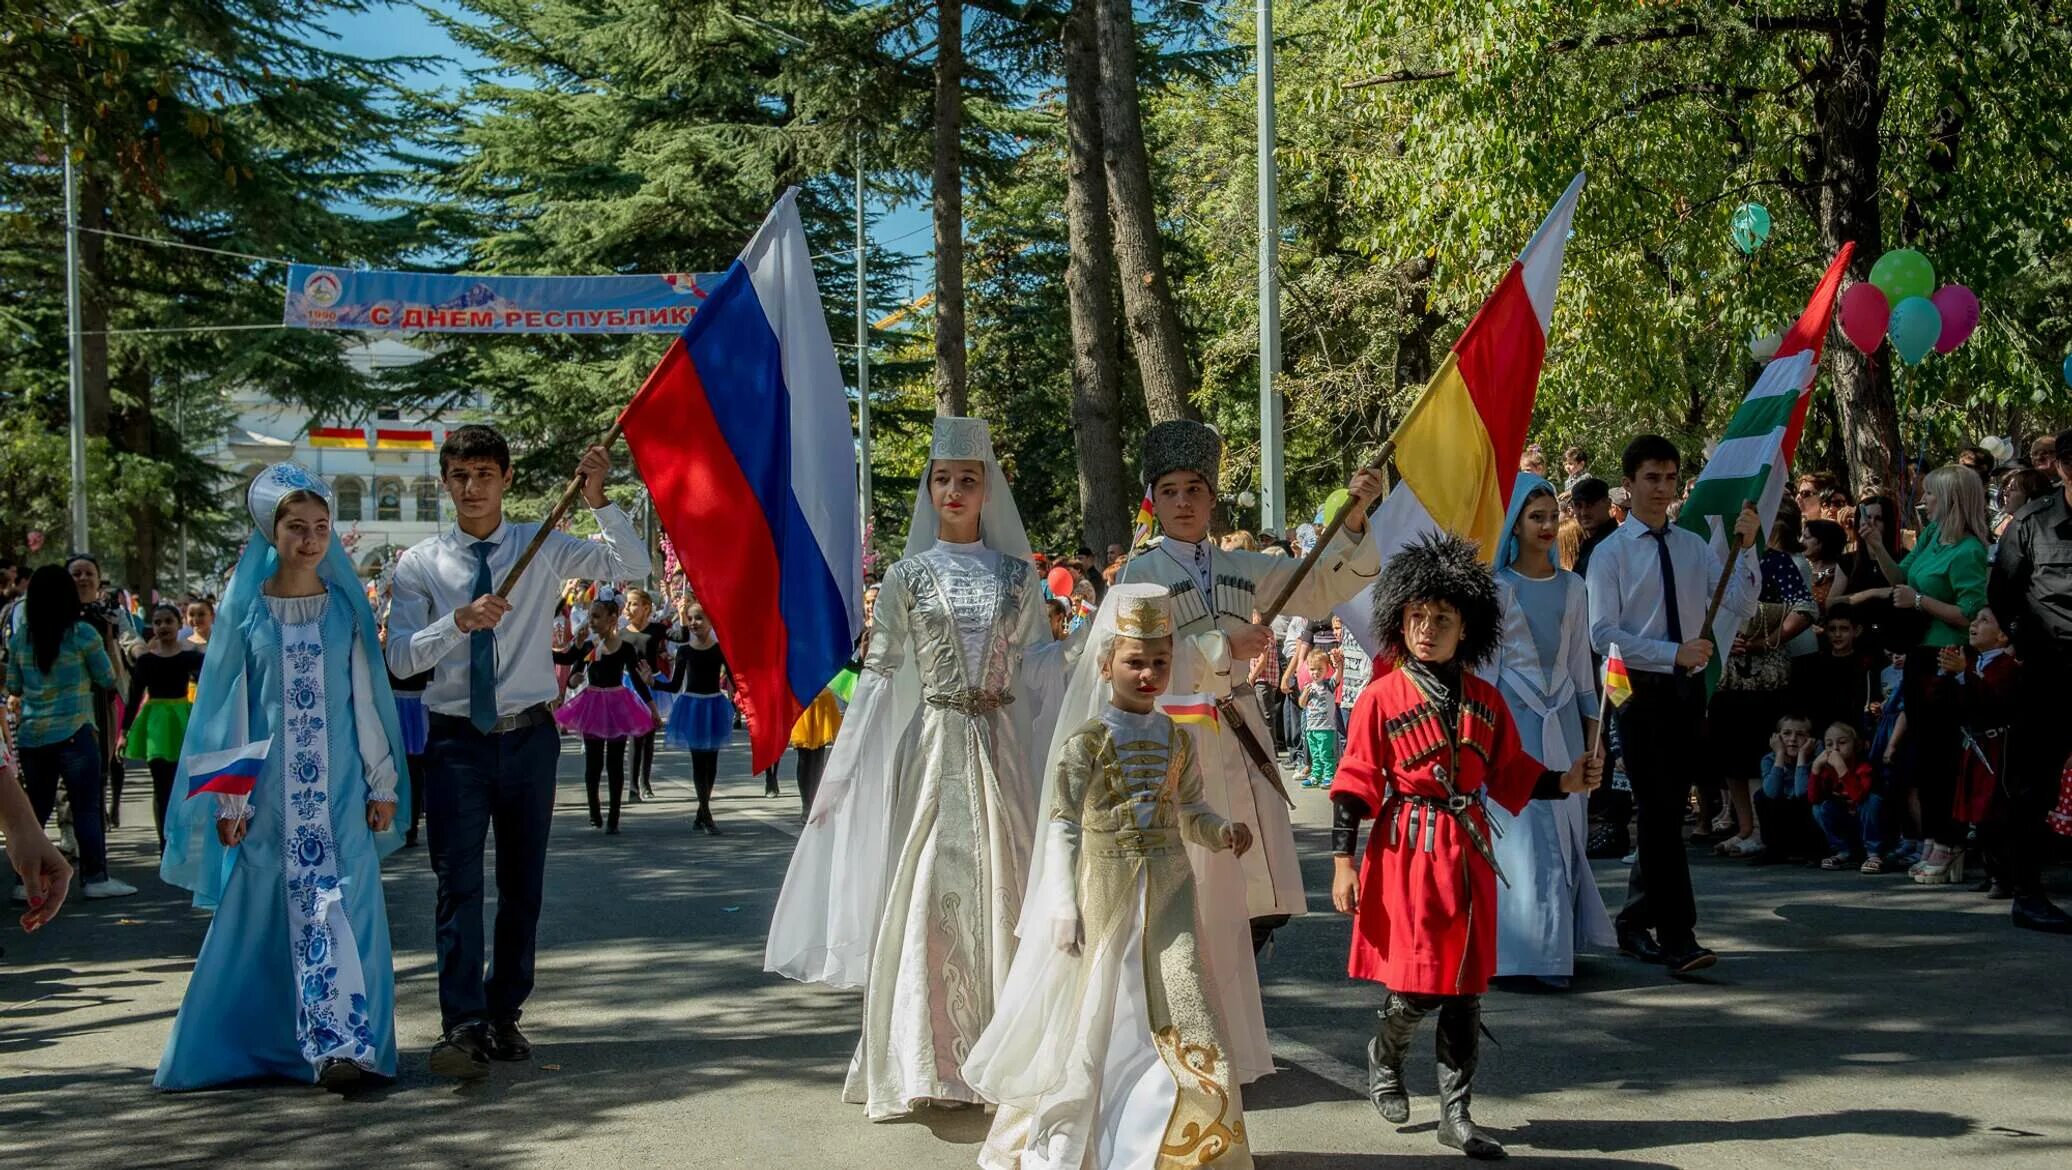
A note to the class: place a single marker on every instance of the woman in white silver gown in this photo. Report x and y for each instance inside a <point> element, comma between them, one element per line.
<point>908,878</point>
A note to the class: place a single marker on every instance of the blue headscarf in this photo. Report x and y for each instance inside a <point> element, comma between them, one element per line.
<point>194,859</point>
<point>1522,491</point>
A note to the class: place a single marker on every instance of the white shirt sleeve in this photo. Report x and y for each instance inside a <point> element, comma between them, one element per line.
<point>416,643</point>
<point>375,754</point>
<point>621,556</point>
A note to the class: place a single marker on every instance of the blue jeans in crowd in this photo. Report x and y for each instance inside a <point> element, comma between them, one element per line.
<point>1855,831</point>
<point>473,783</point>
<point>77,763</point>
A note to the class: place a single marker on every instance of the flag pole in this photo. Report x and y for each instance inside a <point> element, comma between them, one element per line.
<point>1604,711</point>
<point>553,520</point>
<point>1719,592</point>
<point>1316,551</point>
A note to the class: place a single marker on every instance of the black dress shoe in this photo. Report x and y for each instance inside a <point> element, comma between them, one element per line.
<point>338,1075</point>
<point>2035,912</point>
<point>1641,945</point>
<point>463,1052</point>
<point>507,1043</point>
<point>1688,958</point>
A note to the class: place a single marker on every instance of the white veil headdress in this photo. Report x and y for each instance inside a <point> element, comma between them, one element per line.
<point>1055,1000</point>
<point>827,913</point>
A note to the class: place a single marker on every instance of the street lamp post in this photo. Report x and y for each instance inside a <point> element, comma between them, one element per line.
<point>76,350</point>
<point>1272,470</point>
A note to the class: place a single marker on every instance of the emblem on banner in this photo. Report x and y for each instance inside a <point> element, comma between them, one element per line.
<point>322,289</point>
<point>684,284</point>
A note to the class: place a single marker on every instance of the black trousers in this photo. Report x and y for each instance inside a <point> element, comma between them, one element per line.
<point>1935,744</point>
<point>704,772</point>
<point>600,755</point>
<point>643,774</point>
<point>812,765</point>
<point>2036,752</point>
<point>162,772</point>
<point>1660,729</point>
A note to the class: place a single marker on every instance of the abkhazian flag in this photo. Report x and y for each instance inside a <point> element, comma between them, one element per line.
<point>1753,459</point>
<point>1618,685</point>
<point>742,435</point>
<point>1457,452</point>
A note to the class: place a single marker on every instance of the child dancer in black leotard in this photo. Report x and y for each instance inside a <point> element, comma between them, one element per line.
<point>604,712</point>
<point>158,706</point>
<point>650,637</point>
<point>703,719</point>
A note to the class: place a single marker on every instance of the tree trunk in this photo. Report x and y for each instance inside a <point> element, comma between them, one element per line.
<point>1104,490</point>
<point>952,389</point>
<point>1414,366</point>
<point>1149,310</point>
<point>133,433</point>
<point>1850,106</point>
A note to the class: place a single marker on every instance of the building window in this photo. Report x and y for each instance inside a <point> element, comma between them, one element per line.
<point>388,499</point>
<point>349,490</point>
<point>388,414</point>
<point>428,500</point>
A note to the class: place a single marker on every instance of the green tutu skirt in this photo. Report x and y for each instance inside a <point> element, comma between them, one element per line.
<point>160,729</point>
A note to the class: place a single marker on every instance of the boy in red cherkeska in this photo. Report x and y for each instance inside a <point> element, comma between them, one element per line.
<point>1428,743</point>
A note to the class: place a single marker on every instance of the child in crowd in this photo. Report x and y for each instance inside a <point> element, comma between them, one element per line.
<point>1984,694</point>
<point>1835,684</point>
<point>703,719</point>
<point>1320,720</point>
<point>1786,770</point>
<point>1844,796</point>
<point>1888,771</point>
<point>603,711</point>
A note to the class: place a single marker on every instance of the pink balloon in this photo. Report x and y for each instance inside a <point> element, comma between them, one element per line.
<point>1959,308</point>
<point>1061,581</point>
<point>35,542</point>
<point>1864,315</point>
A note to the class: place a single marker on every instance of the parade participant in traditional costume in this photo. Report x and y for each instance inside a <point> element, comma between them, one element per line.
<point>1216,597</point>
<point>605,712</point>
<point>285,802</point>
<point>1431,742</point>
<point>909,875</point>
<point>155,716</point>
<point>701,720</point>
<point>1544,670</point>
<point>1106,1049</point>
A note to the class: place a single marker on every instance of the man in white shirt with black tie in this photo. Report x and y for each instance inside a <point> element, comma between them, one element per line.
<point>491,752</point>
<point>1650,586</point>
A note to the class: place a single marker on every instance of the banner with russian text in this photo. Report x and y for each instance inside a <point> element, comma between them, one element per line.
<point>432,302</point>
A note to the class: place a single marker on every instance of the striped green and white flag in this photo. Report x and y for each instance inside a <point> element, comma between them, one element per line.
<point>1752,462</point>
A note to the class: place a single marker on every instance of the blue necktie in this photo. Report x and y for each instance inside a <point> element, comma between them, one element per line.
<point>482,652</point>
<point>1669,585</point>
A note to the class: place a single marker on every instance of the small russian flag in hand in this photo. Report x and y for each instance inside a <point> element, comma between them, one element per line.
<point>232,772</point>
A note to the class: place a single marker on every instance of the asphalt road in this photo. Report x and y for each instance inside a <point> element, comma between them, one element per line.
<point>1853,1022</point>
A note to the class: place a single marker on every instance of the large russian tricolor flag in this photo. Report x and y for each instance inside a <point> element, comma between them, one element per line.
<point>742,435</point>
<point>1457,452</point>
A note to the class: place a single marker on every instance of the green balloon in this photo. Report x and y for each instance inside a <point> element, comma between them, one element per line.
<point>1333,505</point>
<point>1751,227</point>
<point>1902,274</point>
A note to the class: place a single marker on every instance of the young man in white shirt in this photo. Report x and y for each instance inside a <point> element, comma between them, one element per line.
<point>1650,585</point>
<point>491,753</point>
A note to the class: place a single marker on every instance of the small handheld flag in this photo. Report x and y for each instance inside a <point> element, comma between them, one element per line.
<point>1618,685</point>
<point>1145,519</point>
<point>232,772</point>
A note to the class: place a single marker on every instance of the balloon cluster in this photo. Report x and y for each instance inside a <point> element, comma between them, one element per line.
<point>1900,301</point>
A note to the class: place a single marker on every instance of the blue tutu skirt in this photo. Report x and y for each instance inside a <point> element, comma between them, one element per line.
<point>411,719</point>
<point>701,723</point>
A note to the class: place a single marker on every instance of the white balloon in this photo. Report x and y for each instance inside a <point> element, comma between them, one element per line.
<point>1763,347</point>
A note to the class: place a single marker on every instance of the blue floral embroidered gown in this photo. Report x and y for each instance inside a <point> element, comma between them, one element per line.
<point>296,967</point>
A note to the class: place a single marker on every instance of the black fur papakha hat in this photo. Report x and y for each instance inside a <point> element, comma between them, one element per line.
<point>1182,445</point>
<point>1440,567</point>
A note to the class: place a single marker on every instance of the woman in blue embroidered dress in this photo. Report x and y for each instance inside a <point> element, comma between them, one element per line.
<point>291,864</point>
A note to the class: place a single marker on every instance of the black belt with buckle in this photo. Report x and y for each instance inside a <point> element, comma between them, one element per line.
<point>530,717</point>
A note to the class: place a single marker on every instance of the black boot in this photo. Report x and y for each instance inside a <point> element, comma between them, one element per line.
<point>1460,1035</point>
<point>2033,911</point>
<point>1395,1024</point>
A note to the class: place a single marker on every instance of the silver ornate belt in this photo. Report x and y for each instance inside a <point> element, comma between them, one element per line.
<point>969,702</point>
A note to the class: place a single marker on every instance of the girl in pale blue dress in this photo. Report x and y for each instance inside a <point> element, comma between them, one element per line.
<point>295,980</point>
<point>1548,679</point>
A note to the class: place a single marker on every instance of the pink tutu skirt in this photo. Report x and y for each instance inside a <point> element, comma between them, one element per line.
<point>606,713</point>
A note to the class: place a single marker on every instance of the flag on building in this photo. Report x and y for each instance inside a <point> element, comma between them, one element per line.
<point>741,433</point>
<point>1753,459</point>
<point>1618,685</point>
<point>337,436</point>
<point>402,439</point>
<point>1457,451</point>
<point>232,771</point>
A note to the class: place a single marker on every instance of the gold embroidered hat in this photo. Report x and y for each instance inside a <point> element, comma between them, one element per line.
<point>1143,612</point>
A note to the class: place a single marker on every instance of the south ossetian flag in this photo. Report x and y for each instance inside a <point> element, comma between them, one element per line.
<point>1753,459</point>
<point>741,433</point>
<point>1457,452</point>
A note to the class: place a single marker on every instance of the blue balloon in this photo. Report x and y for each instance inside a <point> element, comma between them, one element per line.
<point>1915,326</point>
<point>2068,369</point>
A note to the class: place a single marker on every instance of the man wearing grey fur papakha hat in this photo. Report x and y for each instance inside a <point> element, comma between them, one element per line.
<point>1216,597</point>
